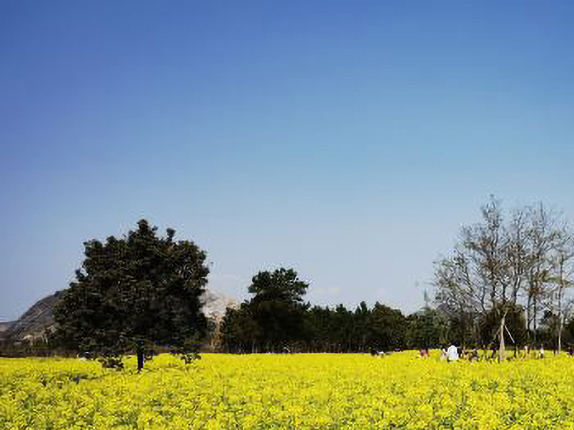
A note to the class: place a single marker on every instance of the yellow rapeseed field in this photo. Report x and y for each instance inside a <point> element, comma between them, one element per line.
<point>306,391</point>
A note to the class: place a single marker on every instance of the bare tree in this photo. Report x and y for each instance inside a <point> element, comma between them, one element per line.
<point>455,295</point>
<point>517,252</point>
<point>542,236</point>
<point>562,260</point>
<point>487,243</point>
<point>498,266</point>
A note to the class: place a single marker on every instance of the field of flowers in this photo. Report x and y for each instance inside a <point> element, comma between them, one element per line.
<point>307,391</point>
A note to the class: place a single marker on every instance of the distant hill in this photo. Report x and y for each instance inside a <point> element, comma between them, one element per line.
<point>39,320</point>
<point>4,326</point>
<point>215,304</point>
<point>35,322</point>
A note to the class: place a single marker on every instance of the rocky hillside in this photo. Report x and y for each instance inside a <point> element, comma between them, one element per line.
<point>35,322</point>
<point>4,326</point>
<point>215,304</point>
<point>38,320</point>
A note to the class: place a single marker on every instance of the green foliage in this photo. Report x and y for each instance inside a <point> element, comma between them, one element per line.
<point>282,286</point>
<point>280,325</point>
<point>548,330</point>
<point>514,322</point>
<point>386,328</point>
<point>189,351</point>
<point>240,330</point>
<point>139,287</point>
<point>273,318</point>
<point>569,333</point>
<point>111,361</point>
<point>426,329</point>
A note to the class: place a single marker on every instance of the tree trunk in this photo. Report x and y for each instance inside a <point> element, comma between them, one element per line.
<point>529,319</point>
<point>534,316</point>
<point>560,292</point>
<point>140,355</point>
<point>140,351</point>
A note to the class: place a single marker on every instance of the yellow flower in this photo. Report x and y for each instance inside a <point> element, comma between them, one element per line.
<point>306,391</point>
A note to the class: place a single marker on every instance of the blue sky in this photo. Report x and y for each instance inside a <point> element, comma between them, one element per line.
<point>348,140</point>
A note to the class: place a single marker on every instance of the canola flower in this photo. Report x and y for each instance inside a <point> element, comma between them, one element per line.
<point>299,391</point>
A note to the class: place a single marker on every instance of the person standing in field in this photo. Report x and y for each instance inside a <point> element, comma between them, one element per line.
<point>541,352</point>
<point>452,353</point>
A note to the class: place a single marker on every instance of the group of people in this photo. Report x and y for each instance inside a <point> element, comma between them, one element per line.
<point>454,353</point>
<point>449,354</point>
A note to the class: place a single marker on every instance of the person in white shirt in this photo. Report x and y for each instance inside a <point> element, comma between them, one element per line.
<point>452,353</point>
<point>541,352</point>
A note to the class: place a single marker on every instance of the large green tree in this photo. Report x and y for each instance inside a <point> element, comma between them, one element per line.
<point>277,307</point>
<point>133,291</point>
<point>386,328</point>
<point>426,328</point>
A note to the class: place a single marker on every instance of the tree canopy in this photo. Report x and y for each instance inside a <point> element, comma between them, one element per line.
<point>134,289</point>
<point>273,317</point>
<point>276,318</point>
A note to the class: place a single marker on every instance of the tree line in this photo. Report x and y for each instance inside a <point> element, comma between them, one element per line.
<point>507,275</point>
<point>276,319</point>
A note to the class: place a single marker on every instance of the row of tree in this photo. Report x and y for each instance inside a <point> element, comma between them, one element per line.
<point>142,291</point>
<point>508,275</point>
<point>276,319</point>
<point>338,329</point>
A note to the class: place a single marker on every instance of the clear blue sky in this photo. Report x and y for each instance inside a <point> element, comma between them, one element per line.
<point>349,140</point>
